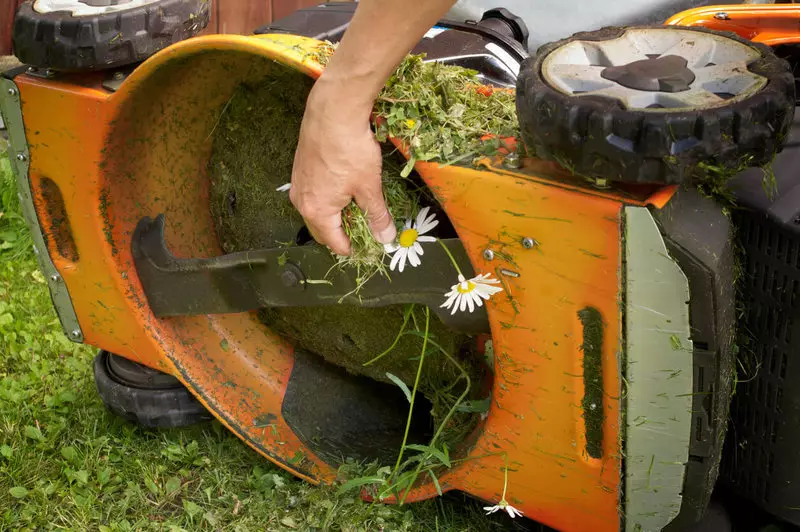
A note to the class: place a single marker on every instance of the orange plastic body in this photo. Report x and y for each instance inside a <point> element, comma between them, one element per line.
<point>142,151</point>
<point>771,24</point>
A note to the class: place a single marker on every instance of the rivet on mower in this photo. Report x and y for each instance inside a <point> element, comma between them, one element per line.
<point>55,278</point>
<point>722,16</point>
<point>12,92</point>
<point>529,243</point>
<point>22,157</point>
<point>488,254</point>
<point>76,333</point>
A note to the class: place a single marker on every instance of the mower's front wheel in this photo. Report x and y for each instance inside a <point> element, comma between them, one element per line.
<point>143,395</point>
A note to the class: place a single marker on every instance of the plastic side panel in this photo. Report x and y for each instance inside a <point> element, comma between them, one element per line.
<point>659,376</point>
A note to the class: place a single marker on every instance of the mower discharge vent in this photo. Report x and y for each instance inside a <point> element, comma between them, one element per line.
<point>762,453</point>
<point>762,458</point>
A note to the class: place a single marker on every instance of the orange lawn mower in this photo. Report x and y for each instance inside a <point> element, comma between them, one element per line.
<point>608,359</point>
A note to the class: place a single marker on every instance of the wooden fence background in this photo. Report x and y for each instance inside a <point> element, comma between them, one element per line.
<point>227,16</point>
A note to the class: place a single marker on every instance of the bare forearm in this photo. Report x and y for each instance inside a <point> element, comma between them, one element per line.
<point>381,33</point>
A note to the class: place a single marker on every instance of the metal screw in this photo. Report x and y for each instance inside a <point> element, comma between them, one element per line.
<point>76,333</point>
<point>119,76</point>
<point>21,157</point>
<point>33,69</point>
<point>55,278</point>
<point>12,92</point>
<point>528,243</point>
<point>722,16</point>
<point>601,184</point>
<point>513,161</point>
<point>488,254</point>
<point>49,72</point>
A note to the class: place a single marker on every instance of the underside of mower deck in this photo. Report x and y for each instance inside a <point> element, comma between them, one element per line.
<point>597,382</point>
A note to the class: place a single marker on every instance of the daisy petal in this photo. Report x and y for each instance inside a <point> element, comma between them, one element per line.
<point>450,299</point>
<point>423,212</point>
<point>463,306</point>
<point>413,258</point>
<point>476,298</point>
<point>418,248</point>
<point>425,225</point>
<point>396,259</point>
<point>426,239</point>
<point>490,509</point>
<point>403,259</point>
<point>470,302</point>
<point>284,188</point>
<point>391,248</point>
<point>456,304</point>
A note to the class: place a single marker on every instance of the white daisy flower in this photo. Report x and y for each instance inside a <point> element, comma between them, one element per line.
<point>284,188</point>
<point>470,293</point>
<point>503,505</point>
<point>407,246</point>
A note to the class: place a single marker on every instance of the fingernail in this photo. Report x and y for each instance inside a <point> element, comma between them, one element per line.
<point>386,235</point>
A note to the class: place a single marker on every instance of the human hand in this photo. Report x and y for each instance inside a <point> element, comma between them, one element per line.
<point>338,160</point>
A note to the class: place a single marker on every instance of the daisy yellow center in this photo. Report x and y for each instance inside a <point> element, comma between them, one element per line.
<point>408,237</point>
<point>466,288</point>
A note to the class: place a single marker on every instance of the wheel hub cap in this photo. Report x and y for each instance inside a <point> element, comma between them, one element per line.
<point>665,74</point>
<point>657,69</point>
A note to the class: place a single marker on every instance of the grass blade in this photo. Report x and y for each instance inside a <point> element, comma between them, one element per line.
<point>401,384</point>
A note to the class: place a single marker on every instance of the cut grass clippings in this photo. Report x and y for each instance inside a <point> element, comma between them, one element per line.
<point>67,463</point>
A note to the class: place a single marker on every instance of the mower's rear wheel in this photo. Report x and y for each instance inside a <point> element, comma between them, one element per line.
<point>655,104</point>
<point>143,395</point>
<point>74,35</point>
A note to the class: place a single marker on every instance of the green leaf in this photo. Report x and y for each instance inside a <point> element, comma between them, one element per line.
<point>33,433</point>
<point>401,384</point>
<point>435,483</point>
<point>173,485</point>
<point>70,454</point>
<point>191,508</point>
<point>443,458</point>
<point>6,451</point>
<point>18,492</point>
<point>479,406</point>
<point>358,482</point>
<point>150,485</point>
<point>408,167</point>
<point>104,476</point>
<point>81,476</point>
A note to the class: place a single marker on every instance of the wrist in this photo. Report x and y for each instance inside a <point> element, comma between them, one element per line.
<point>347,97</point>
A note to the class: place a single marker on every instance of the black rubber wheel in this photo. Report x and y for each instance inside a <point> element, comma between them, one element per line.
<point>143,395</point>
<point>63,42</point>
<point>598,137</point>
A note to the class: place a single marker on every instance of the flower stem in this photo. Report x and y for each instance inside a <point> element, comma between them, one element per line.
<point>446,419</point>
<point>452,259</point>
<point>397,339</point>
<point>505,477</point>
<point>413,395</point>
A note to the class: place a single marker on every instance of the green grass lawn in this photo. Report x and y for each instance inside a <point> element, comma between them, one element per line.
<point>67,463</point>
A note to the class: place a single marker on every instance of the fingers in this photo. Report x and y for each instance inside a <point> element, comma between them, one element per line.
<point>329,231</point>
<point>369,198</point>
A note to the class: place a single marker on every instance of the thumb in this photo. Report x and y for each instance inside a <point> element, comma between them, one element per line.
<point>370,200</point>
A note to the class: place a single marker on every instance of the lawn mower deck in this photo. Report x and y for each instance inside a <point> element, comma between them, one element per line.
<point>612,340</point>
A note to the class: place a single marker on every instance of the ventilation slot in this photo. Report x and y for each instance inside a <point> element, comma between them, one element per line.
<point>592,348</point>
<point>58,229</point>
